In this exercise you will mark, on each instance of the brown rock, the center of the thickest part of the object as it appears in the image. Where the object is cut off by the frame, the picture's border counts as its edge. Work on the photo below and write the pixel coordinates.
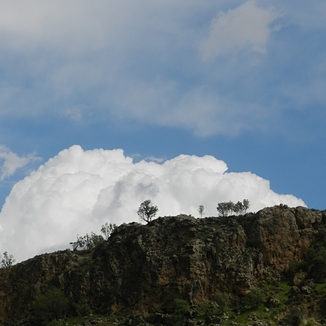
(143, 268)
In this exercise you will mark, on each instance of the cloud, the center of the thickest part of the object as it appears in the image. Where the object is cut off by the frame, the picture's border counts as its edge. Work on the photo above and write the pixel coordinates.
(155, 159)
(75, 113)
(77, 191)
(245, 26)
(11, 162)
(159, 63)
(120, 62)
(200, 109)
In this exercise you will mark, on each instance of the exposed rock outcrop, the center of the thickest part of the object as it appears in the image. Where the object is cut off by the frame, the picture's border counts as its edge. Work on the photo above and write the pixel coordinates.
(143, 268)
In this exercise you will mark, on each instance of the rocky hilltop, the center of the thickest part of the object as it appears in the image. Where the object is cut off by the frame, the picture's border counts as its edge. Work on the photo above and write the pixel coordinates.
(142, 269)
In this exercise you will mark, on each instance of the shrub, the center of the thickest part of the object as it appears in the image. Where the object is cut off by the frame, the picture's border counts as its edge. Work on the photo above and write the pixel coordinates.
(254, 298)
(181, 306)
(50, 306)
(7, 260)
(83, 308)
(181, 310)
(316, 261)
(296, 315)
(223, 301)
(87, 241)
(107, 229)
(54, 323)
(226, 208)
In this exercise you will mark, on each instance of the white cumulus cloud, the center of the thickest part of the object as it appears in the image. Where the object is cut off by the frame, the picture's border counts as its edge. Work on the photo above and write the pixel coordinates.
(77, 191)
(245, 26)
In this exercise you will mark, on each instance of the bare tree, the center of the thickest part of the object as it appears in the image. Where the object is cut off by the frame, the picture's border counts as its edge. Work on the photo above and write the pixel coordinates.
(87, 241)
(7, 260)
(201, 210)
(107, 229)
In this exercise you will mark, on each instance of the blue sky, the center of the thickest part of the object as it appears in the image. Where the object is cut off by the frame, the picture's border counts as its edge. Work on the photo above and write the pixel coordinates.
(243, 81)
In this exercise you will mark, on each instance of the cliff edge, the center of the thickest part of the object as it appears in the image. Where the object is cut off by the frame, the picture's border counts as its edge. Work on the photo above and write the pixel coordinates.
(142, 269)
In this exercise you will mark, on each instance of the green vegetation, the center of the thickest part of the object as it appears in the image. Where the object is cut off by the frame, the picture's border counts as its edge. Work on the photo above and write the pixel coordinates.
(147, 211)
(107, 229)
(181, 306)
(87, 241)
(314, 263)
(96, 319)
(223, 302)
(268, 304)
(259, 293)
(181, 312)
(6, 260)
(51, 306)
(254, 298)
(226, 208)
(90, 241)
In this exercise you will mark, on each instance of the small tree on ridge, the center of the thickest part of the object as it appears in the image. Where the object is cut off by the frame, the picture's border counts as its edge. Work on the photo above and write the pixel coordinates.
(201, 210)
(7, 260)
(107, 229)
(147, 211)
(226, 208)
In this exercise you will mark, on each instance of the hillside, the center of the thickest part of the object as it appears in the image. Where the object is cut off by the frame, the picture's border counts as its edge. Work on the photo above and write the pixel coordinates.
(268, 267)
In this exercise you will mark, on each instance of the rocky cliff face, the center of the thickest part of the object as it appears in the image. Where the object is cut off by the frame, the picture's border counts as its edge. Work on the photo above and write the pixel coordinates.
(143, 268)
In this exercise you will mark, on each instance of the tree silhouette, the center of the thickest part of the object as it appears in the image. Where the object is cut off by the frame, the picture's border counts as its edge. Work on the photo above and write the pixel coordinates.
(147, 211)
